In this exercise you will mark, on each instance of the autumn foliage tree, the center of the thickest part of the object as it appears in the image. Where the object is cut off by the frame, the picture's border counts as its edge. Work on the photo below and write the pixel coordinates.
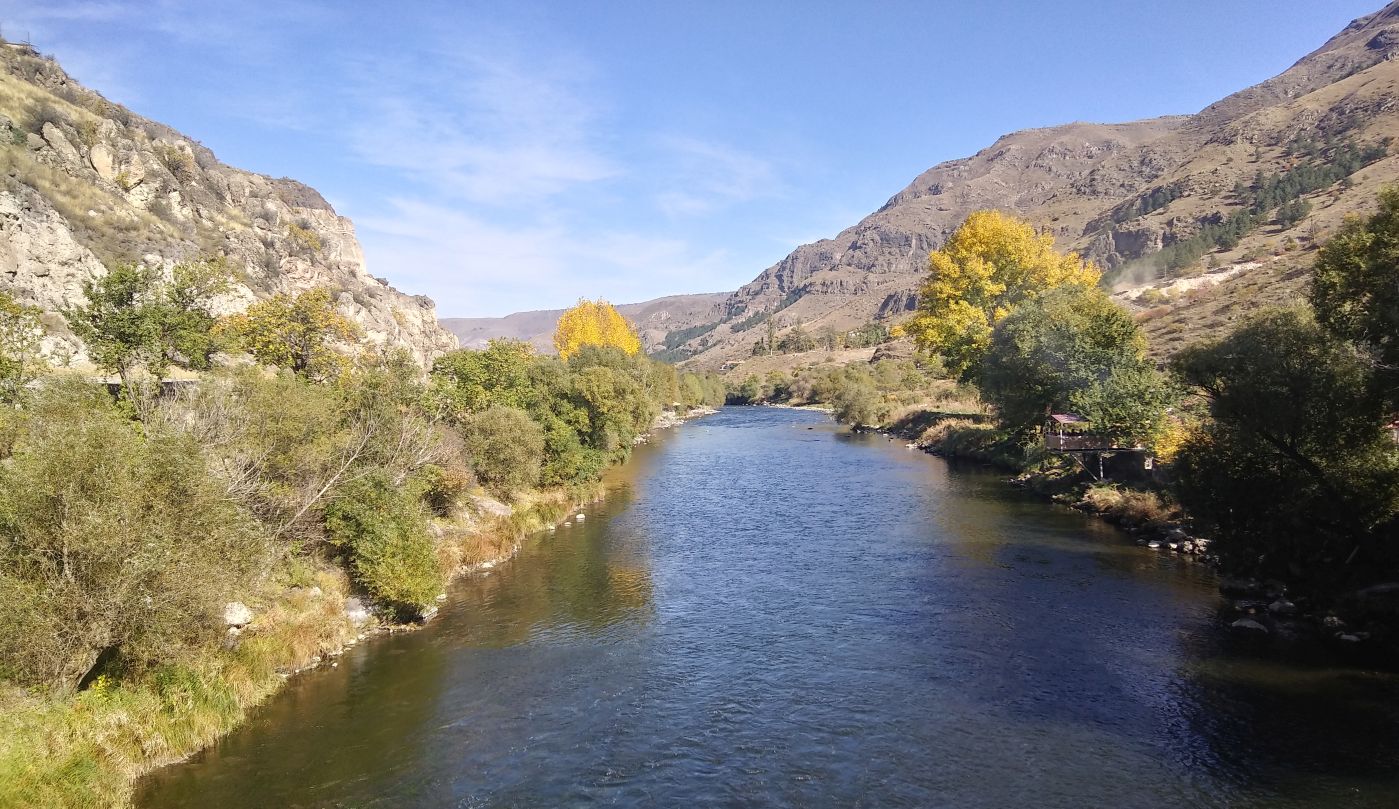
(297, 332)
(989, 265)
(594, 323)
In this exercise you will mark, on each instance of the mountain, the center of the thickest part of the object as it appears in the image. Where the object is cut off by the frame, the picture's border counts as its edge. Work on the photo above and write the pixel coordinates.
(1141, 199)
(85, 183)
(654, 320)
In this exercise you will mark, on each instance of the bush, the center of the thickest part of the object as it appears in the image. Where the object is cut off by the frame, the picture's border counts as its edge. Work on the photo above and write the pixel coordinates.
(386, 535)
(504, 446)
(111, 544)
(859, 405)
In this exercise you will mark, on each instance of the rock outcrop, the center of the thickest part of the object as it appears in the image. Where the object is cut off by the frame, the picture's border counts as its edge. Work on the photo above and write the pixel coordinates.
(86, 183)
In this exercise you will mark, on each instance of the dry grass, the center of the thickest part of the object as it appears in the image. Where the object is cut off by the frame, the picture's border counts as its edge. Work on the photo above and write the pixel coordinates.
(1131, 506)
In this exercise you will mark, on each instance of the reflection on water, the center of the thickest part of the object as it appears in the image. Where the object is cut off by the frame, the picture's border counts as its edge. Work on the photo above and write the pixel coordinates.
(773, 612)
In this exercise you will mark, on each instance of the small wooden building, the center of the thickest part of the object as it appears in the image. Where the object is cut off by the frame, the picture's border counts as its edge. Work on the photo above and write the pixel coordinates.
(1069, 432)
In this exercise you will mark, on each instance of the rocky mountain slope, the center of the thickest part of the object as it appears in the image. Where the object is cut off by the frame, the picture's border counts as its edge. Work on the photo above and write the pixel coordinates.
(85, 183)
(1130, 197)
(654, 320)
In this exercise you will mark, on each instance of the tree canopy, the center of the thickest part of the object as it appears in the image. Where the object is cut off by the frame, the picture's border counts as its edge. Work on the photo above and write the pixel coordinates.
(136, 319)
(1355, 287)
(594, 323)
(990, 264)
(1073, 349)
(1293, 413)
(297, 332)
(20, 348)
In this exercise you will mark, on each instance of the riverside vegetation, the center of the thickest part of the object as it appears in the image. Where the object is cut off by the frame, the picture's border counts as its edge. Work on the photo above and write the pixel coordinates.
(170, 551)
(1293, 400)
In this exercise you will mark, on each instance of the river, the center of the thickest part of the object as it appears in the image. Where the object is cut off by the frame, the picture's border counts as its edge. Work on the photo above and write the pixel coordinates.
(770, 611)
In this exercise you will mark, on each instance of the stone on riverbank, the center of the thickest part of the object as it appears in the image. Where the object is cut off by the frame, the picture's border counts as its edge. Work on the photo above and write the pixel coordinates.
(1250, 626)
(237, 614)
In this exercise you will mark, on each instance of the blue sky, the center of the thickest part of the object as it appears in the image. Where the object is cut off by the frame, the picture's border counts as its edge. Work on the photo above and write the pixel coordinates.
(502, 156)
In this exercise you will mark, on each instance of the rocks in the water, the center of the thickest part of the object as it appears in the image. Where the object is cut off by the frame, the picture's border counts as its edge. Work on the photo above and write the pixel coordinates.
(1250, 626)
(1377, 600)
(1154, 545)
(237, 614)
(356, 611)
(426, 614)
(580, 517)
(1242, 588)
(1282, 607)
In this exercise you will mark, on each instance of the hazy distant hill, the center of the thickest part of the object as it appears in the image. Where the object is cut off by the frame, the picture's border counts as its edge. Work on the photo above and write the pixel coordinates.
(654, 319)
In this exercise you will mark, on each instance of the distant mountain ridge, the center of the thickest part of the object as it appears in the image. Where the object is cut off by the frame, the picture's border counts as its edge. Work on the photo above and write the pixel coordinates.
(654, 319)
(1117, 193)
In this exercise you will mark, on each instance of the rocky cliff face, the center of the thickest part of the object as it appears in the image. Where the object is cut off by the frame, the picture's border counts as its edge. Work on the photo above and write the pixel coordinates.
(85, 183)
(1088, 184)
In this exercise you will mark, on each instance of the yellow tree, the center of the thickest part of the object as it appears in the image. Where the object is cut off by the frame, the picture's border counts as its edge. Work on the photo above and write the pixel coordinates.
(594, 323)
(990, 264)
(296, 332)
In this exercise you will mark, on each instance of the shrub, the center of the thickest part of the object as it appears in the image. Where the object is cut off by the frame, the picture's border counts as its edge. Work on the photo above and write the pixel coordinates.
(305, 238)
(111, 544)
(386, 536)
(504, 446)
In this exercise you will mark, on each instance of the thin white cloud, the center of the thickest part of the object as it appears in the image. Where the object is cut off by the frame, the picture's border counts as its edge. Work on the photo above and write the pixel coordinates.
(481, 126)
(476, 265)
(706, 176)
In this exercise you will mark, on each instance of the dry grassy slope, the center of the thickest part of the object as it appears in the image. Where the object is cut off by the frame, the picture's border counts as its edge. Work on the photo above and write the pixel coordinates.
(1068, 179)
(653, 319)
(85, 183)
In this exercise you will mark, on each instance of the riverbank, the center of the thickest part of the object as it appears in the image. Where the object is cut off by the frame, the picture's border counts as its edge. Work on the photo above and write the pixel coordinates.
(1357, 626)
(1157, 522)
(88, 749)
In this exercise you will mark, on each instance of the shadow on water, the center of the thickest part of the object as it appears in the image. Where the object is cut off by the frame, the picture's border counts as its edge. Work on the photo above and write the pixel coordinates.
(771, 611)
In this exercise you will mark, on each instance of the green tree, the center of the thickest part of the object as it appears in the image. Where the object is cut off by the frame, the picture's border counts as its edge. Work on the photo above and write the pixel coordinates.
(1293, 472)
(859, 405)
(296, 332)
(21, 360)
(1354, 294)
(385, 533)
(468, 381)
(1073, 349)
(136, 323)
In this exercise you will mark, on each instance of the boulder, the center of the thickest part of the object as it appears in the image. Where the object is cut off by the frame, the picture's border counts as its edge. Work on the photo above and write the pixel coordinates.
(237, 614)
(1249, 626)
(103, 162)
(1282, 607)
(356, 611)
(1241, 588)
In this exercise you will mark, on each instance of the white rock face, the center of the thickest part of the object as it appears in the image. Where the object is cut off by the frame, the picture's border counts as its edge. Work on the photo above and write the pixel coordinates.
(87, 190)
(237, 614)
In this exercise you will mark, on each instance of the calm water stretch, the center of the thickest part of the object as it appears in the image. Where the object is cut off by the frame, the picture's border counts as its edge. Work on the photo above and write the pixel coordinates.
(773, 612)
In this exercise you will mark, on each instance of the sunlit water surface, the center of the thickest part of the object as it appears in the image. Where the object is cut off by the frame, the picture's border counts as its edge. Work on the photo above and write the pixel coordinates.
(773, 612)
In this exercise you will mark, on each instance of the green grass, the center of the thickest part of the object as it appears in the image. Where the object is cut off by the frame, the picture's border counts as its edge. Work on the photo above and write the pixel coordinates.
(86, 750)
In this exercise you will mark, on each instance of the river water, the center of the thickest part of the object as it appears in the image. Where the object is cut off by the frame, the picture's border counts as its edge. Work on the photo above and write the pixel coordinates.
(770, 611)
